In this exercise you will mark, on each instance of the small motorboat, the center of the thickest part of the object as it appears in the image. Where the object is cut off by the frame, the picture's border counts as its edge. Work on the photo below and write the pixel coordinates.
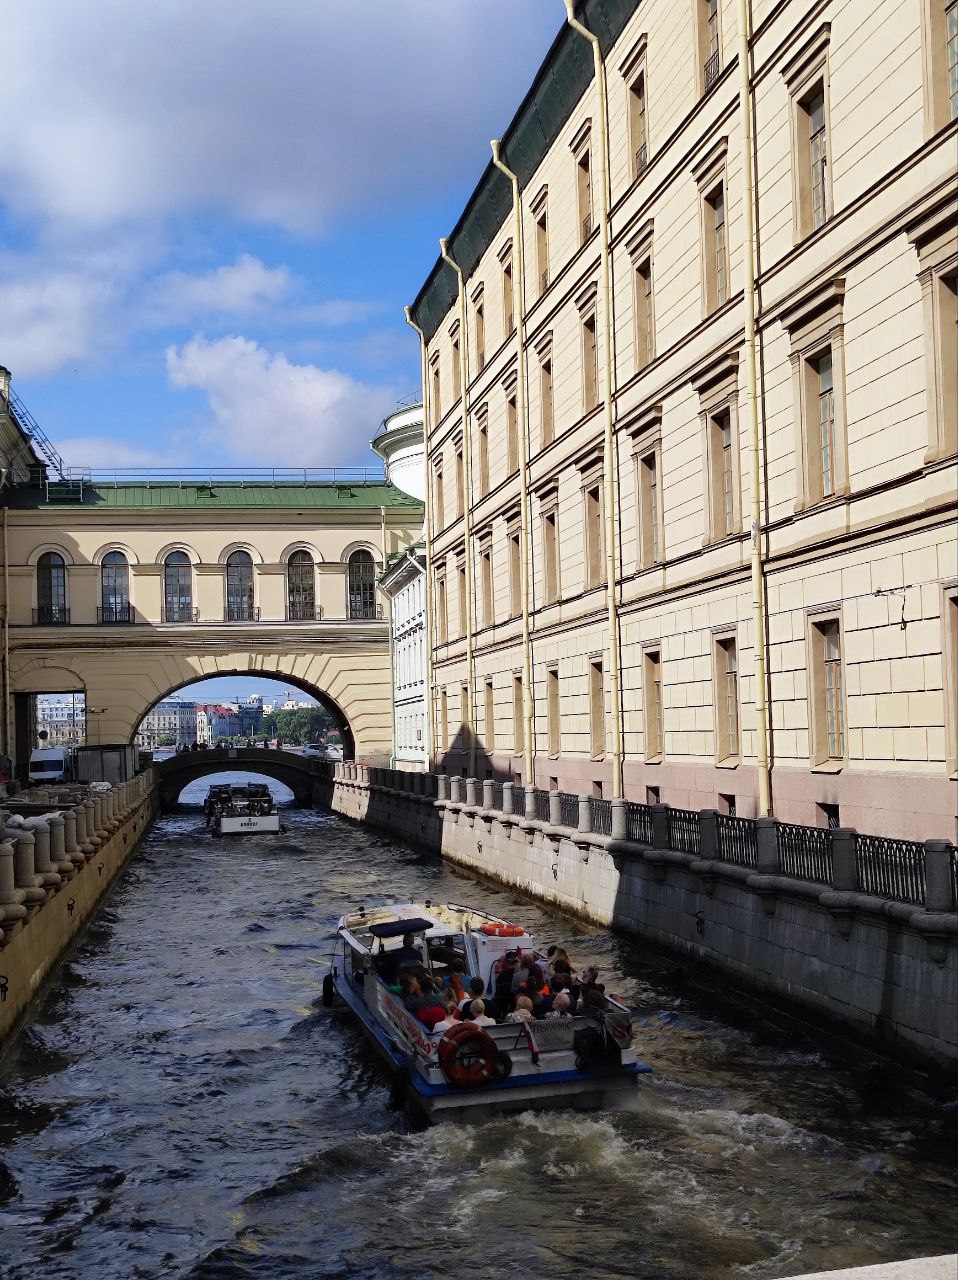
(585, 1061)
(246, 810)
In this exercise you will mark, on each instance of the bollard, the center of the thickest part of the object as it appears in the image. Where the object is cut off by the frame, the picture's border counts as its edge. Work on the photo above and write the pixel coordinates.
(472, 792)
(49, 875)
(660, 826)
(939, 886)
(92, 834)
(58, 852)
(11, 898)
(768, 860)
(83, 833)
(555, 809)
(708, 827)
(530, 802)
(25, 869)
(620, 820)
(442, 787)
(507, 797)
(487, 794)
(585, 815)
(845, 859)
(70, 846)
(455, 790)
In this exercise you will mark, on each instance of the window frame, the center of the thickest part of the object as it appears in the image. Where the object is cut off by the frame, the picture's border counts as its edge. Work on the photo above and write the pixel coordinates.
(597, 708)
(489, 714)
(728, 754)
(482, 448)
(820, 757)
(553, 712)
(518, 714)
(717, 385)
(653, 744)
(479, 326)
(581, 147)
(540, 216)
(932, 234)
(934, 53)
(949, 657)
(711, 177)
(650, 519)
(551, 560)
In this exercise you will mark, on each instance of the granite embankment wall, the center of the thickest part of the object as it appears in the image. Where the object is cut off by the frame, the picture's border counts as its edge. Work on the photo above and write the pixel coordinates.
(49, 888)
(883, 969)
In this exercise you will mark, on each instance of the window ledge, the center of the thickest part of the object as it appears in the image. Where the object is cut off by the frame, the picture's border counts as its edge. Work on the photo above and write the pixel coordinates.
(653, 759)
(828, 766)
(730, 762)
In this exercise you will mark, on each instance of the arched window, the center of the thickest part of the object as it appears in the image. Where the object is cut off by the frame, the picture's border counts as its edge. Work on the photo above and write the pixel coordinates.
(115, 588)
(239, 587)
(362, 585)
(301, 587)
(178, 588)
(52, 590)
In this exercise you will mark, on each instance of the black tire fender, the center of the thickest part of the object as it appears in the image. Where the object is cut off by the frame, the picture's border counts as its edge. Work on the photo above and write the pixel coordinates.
(329, 990)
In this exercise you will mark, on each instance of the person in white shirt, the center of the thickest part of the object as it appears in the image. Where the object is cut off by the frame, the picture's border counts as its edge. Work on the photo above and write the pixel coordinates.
(450, 1020)
(477, 1014)
(560, 1008)
(522, 1012)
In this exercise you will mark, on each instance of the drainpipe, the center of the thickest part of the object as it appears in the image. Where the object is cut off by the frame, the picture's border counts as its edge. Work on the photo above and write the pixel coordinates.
(427, 538)
(522, 396)
(754, 430)
(466, 502)
(608, 463)
(392, 656)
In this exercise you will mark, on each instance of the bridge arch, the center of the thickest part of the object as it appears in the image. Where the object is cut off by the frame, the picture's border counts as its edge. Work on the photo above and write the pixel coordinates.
(293, 771)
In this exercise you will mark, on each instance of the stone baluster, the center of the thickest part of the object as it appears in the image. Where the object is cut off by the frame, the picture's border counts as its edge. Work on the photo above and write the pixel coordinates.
(11, 898)
(455, 790)
(92, 832)
(555, 809)
(507, 797)
(472, 792)
(442, 787)
(585, 815)
(488, 801)
(530, 802)
(83, 833)
(70, 846)
(58, 852)
(49, 875)
(25, 868)
(620, 820)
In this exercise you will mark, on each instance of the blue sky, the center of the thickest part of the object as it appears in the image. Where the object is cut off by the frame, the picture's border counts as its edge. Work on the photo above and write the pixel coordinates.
(209, 224)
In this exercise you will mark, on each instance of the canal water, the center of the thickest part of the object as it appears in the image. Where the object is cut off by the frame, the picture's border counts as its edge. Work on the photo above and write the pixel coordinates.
(183, 1106)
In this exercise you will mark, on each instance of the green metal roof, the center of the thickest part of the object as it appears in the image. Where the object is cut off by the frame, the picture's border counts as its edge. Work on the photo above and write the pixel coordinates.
(218, 495)
(560, 83)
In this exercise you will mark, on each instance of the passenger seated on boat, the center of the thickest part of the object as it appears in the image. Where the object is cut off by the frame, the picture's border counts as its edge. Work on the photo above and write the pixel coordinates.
(561, 1008)
(504, 996)
(477, 1014)
(522, 1012)
(592, 1001)
(477, 991)
(450, 1020)
(426, 1007)
(389, 963)
(557, 984)
(453, 985)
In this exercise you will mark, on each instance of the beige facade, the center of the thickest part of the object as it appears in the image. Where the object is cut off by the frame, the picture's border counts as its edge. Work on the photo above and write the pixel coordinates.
(128, 592)
(854, 303)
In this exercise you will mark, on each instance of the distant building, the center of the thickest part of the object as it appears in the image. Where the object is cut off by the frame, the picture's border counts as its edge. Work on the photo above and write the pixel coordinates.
(168, 719)
(215, 721)
(62, 716)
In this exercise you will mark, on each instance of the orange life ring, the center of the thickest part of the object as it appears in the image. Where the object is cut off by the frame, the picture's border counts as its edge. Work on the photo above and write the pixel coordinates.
(502, 930)
(467, 1056)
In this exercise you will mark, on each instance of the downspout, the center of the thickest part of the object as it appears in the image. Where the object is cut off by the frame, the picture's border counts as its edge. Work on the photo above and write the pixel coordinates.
(469, 717)
(754, 430)
(525, 559)
(427, 538)
(392, 642)
(608, 462)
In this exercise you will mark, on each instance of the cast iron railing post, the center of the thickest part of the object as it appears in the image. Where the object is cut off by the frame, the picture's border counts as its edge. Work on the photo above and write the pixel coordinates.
(768, 862)
(939, 887)
(845, 859)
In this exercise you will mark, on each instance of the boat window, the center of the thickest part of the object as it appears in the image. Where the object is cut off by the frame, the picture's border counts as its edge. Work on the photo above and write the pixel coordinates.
(447, 954)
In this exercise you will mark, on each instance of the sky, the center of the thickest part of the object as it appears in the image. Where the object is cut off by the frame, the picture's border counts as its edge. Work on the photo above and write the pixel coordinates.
(212, 215)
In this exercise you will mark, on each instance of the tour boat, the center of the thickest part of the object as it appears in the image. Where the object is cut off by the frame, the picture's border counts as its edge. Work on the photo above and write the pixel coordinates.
(245, 810)
(582, 1061)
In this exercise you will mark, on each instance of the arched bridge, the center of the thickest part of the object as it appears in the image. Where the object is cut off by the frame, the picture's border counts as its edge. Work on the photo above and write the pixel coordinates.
(294, 771)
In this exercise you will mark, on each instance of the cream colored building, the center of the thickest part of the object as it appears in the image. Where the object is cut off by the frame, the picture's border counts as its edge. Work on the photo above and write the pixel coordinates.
(590, 413)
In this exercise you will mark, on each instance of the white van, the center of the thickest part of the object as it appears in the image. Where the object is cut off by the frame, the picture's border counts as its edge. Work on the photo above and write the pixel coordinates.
(48, 764)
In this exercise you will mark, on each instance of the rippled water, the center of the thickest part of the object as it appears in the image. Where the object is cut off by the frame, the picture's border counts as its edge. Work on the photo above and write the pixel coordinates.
(182, 1106)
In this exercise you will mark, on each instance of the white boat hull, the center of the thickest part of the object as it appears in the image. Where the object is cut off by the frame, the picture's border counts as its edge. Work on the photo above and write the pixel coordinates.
(244, 824)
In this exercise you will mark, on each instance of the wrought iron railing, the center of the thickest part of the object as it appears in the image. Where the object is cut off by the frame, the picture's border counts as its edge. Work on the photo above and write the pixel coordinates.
(638, 823)
(241, 613)
(542, 804)
(518, 798)
(364, 612)
(180, 613)
(114, 614)
(601, 815)
(641, 159)
(711, 71)
(737, 840)
(543, 280)
(805, 853)
(568, 809)
(685, 834)
(891, 868)
(51, 615)
(300, 611)
(587, 226)
(497, 796)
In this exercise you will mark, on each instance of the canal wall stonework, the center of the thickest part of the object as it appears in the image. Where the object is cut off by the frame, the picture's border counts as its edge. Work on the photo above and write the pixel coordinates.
(880, 969)
(46, 897)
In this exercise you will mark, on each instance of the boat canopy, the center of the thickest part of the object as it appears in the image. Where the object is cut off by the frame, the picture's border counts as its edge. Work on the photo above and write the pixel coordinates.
(396, 928)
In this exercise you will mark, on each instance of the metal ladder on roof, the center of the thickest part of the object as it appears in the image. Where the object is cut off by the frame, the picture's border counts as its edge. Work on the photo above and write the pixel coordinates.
(66, 488)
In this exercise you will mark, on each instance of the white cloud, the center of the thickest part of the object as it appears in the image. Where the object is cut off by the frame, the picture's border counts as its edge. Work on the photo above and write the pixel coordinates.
(265, 408)
(105, 452)
(292, 115)
(245, 286)
(50, 318)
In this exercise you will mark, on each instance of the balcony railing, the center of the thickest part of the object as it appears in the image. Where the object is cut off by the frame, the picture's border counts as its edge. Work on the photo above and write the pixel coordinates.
(544, 280)
(365, 612)
(241, 613)
(51, 615)
(296, 611)
(642, 159)
(586, 227)
(712, 69)
(115, 615)
(180, 613)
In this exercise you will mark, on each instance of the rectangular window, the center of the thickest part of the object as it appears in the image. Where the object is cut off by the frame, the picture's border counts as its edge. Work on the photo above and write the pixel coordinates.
(723, 480)
(553, 724)
(512, 434)
(716, 250)
(547, 409)
(596, 710)
(444, 720)
(436, 390)
(456, 369)
(726, 699)
(489, 716)
(461, 584)
(638, 125)
(465, 711)
(542, 248)
(814, 111)
(825, 472)
(828, 709)
(479, 323)
(439, 499)
(550, 556)
(508, 299)
(590, 364)
(442, 611)
(709, 42)
(650, 511)
(951, 56)
(594, 549)
(644, 323)
(652, 690)
(515, 575)
(485, 565)
(518, 717)
(949, 653)
(483, 433)
(460, 481)
(584, 193)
